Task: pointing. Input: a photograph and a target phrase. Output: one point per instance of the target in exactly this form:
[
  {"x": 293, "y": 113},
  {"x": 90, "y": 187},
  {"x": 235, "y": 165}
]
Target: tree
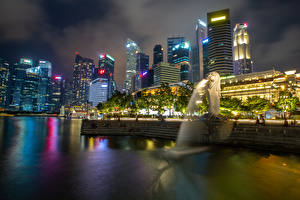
[
  {"x": 184, "y": 94},
  {"x": 255, "y": 104},
  {"x": 286, "y": 102}
]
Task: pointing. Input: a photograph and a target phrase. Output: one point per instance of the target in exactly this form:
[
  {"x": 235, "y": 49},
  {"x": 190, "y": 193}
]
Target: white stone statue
[{"x": 213, "y": 93}]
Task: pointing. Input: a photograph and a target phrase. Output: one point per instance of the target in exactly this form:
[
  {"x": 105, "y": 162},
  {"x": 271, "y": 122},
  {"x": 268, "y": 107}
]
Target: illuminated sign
[
  {"x": 110, "y": 57},
  {"x": 102, "y": 56},
  {"x": 184, "y": 45},
  {"x": 245, "y": 25},
  {"x": 215, "y": 19},
  {"x": 26, "y": 61},
  {"x": 101, "y": 71},
  {"x": 205, "y": 41},
  {"x": 42, "y": 62},
  {"x": 104, "y": 85},
  {"x": 202, "y": 23},
  {"x": 57, "y": 78}
]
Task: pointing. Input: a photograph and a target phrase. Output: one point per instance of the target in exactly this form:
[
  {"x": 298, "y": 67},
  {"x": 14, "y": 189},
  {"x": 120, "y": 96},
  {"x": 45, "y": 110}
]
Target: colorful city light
[
  {"x": 101, "y": 71},
  {"x": 215, "y": 19}
]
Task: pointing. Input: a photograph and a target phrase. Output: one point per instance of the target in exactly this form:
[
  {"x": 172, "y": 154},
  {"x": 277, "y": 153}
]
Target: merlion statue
[{"x": 213, "y": 93}]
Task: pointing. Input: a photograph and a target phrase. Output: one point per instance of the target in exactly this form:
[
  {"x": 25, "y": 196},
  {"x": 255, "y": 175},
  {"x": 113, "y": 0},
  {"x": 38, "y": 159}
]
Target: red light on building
[
  {"x": 245, "y": 25},
  {"x": 150, "y": 67},
  {"x": 76, "y": 53},
  {"x": 110, "y": 74},
  {"x": 57, "y": 77},
  {"x": 101, "y": 71}
]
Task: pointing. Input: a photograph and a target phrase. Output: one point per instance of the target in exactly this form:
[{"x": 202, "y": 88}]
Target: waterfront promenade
[{"x": 271, "y": 136}]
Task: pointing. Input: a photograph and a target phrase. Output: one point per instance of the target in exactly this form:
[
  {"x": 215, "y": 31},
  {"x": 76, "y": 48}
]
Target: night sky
[{"x": 56, "y": 29}]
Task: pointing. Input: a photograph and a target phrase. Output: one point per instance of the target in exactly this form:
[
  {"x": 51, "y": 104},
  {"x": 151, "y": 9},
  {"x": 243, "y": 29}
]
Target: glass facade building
[
  {"x": 172, "y": 42},
  {"x": 82, "y": 76},
  {"x": 241, "y": 50},
  {"x": 181, "y": 58},
  {"x": 220, "y": 42},
  {"x": 142, "y": 67},
  {"x": 106, "y": 70},
  {"x": 4, "y": 81},
  {"x": 131, "y": 50},
  {"x": 158, "y": 54},
  {"x": 98, "y": 91},
  {"x": 166, "y": 73}
]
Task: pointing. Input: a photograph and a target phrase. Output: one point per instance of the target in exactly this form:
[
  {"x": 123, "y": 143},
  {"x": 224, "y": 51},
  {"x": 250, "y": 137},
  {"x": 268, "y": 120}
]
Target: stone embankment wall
[{"x": 273, "y": 137}]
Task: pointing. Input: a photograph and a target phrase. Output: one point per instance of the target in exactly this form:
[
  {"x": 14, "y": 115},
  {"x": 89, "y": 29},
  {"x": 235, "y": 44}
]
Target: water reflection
[{"x": 43, "y": 157}]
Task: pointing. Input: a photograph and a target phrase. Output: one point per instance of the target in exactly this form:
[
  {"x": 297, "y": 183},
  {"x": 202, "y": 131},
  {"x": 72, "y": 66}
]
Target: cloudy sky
[{"x": 56, "y": 29}]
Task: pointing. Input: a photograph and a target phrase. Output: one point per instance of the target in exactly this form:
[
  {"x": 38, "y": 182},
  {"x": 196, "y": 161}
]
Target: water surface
[{"x": 47, "y": 158}]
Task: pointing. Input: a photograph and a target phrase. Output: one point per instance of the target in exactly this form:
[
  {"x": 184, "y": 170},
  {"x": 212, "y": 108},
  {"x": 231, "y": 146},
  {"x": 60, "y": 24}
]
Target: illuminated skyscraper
[
  {"x": 142, "y": 67},
  {"x": 220, "y": 42},
  {"x": 172, "y": 42},
  {"x": 197, "y": 52},
  {"x": 4, "y": 77},
  {"x": 241, "y": 50},
  {"x": 181, "y": 58},
  {"x": 16, "y": 82},
  {"x": 158, "y": 54},
  {"x": 166, "y": 73},
  {"x": 44, "y": 88},
  {"x": 106, "y": 70},
  {"x": 56, "y": 93},
  {"x": 98, "y": 91},
  {"x": 131, "y": 50},
  {"x": 82, "y": 75}
]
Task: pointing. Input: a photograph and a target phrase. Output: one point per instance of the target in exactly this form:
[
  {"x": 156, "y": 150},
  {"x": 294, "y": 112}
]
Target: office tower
[
  {"x": 148, "y": 78},
  {"x": 131, "y": 50},
  {"x": 142, "y": 66},
  {"x": 172, "y": 42},
  {"x": 181, "y": 58},
  {"x": 158, "y": 54},
  {"x": 67, "y": 93},
  {"x": 4, "y": 78},
  {"x": 16, "y": 81},
  {"x": 197, "y": 52},
  {"x": 166, "y": 73},
  {"x": 98, "y": 91},
  {"x": 56, "y": 93},
  {"x": 205, "y": 57},
  {"x": 106, "y": 70},
  {"x": 241, "y": 50},
  {"x": 220, "y": 42},
  {"x": 44, "y": 88},
  {"x": 30, "y": 90},
  {"x": 82, "y": 75}
]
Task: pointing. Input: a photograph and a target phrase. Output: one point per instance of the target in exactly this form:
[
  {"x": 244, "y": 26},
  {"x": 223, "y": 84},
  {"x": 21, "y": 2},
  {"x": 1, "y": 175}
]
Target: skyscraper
[
  {"x": 181, "y": 58},
  {"x": 82, "y": 75},
  {"x": 205, "y": 43},
  {"x": 220, "y": 42},
  {"x": 44, "y": 88},
  {"x": 56, "y": 93},
  {"x": 17, "y": 79},
  {"x": 158, "y": 54},
  {"x": 241, "y": 50},
  {"x": 98, "y": 91},
  {"x": 131, "y": 50},
  {"x": 106, "y": 70},
  {"x": 197, "y": 52},
  {"x": 142, "y": 66},
  {"x": 172, "y": 42},
  {"x": 4, "y": 77}
]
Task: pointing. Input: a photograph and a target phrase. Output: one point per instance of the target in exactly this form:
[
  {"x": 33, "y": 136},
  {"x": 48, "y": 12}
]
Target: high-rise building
[
  {"x": 106, "y": 70},
  {"x": 30, "y": 90},
  {"x": 44, "y": 88},
  {"x": 16, "y": 81},
  {"x": 172, "y": 42},
  {"x": 166, "y": 73},
  {"x": 82, "y": 75},
  {"x": 205, "y": 43},
  {"x": 197, "y": 52},
  {"x": 142, "y": 66},
  {"x": 181, "y": 58},
  {"x": 98, "y": 91},
  {"x": 67, "y": 93},
  {"x": 220, "y": 42},
  {"x": 131, "y": 50},
  {"x": 158, "y": 54},
  {"x": 56, "y": 93},
  {"x": 241, "y": 50},
  {"x": 4, "y": 78}
]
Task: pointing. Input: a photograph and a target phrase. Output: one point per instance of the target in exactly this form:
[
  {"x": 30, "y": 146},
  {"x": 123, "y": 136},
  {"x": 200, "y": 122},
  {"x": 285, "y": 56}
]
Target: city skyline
[{"x": 60, "y": 43}]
